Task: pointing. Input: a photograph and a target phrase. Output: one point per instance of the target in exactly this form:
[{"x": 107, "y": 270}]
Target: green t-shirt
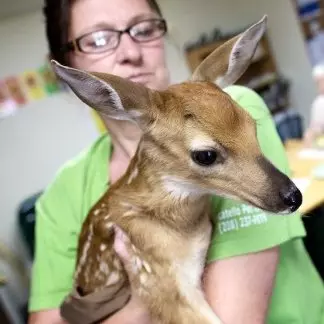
[{"x": 298, "y": 294}]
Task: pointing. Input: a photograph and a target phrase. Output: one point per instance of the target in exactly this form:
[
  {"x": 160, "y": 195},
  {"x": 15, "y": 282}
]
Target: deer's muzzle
[
  {"x": 281, "y": 191},
  {"x": 291, "y": 197}
]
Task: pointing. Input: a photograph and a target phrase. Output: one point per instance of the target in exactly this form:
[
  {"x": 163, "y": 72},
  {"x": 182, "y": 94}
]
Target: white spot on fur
[
  {"x": 106, "y": 217},
  {"x": 85, "y": 251},
  {"x": 147, "y": 267},
  {"x": 104, "y": 267},
  {"x": 103, "y": 247},
  {"x": 130, "y": 213},
  {"x": 96, "y": 212},
  {"x": 133, "y": 175},
  {"x": 132, "y": 210},
  {"x": 180, "y": 188},
  {"x": 109, "y": 225},
  {"x": 143, "y": 278},
  {"x": 113, "y": 278}
]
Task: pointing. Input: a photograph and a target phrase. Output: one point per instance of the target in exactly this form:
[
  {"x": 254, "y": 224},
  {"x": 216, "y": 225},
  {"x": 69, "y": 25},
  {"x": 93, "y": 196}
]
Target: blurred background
[{"x": 42, "y": 125}]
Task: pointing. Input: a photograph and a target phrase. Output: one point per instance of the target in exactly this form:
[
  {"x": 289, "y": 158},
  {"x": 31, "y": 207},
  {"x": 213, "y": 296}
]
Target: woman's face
[{"x": 140, "y": 62}]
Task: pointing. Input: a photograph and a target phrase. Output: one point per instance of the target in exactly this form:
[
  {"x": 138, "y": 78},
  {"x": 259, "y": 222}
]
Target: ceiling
[{"x": 9, "y": 8}]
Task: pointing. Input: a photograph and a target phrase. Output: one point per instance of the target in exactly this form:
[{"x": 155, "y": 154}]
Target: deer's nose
[{"x": 291, "y": 197}]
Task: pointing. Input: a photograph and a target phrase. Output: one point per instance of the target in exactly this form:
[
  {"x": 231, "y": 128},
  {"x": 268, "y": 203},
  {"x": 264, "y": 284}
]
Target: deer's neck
[{"x": 146, "y": 186}]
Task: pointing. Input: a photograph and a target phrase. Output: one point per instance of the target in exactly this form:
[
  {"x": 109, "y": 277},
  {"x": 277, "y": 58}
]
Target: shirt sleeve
[
  {"x": 56, "y": 237},
  {"x": 241, "y": 228}
]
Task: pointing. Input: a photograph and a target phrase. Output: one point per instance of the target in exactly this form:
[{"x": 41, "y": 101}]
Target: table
[{"x": 313, "y": 196}]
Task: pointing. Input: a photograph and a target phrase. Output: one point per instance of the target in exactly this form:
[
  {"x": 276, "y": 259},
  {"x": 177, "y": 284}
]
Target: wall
[{"x": 284, "y": 34}]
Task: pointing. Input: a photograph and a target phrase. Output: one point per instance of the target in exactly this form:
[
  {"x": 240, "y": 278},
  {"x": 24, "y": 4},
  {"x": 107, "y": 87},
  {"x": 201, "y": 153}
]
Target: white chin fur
[
  {"x": 180, "y": 189},
  {"x": 286, "y": 212}
]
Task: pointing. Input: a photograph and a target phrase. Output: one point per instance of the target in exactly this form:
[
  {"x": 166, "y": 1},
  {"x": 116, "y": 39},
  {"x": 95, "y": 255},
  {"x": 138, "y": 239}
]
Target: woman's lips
[{"x": 140, "y": 77}]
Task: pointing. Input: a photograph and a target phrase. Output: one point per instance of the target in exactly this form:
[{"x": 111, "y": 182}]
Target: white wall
[
  {"x": 42, "y": 136},
  {"x": 35, "y": 142}
]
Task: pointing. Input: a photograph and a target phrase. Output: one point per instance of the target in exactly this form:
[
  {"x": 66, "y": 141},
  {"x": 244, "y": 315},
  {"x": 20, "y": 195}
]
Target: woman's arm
[
  {"x": 242, "y": 263},
  {"x": 51, "y": 316},
  {"x": 239, "y": 289}
]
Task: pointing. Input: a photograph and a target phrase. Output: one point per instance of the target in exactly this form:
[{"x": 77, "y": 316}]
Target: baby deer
[{"x": 196, "y": 142}]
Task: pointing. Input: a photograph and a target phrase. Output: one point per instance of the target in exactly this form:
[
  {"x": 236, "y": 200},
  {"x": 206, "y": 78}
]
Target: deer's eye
[{"x": 204, "y": 157}]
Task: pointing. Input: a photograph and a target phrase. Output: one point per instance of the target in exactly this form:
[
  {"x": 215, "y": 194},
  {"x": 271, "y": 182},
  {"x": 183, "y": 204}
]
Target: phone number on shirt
[{"x": 241, "y": 222}]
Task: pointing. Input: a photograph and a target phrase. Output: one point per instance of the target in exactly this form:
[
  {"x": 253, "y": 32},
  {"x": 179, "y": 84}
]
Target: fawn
[{"x": 196, "y": 142}]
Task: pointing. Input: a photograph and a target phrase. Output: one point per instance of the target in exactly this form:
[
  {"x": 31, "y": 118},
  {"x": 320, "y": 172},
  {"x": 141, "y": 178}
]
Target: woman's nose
[{"x": 128, "y": 51}]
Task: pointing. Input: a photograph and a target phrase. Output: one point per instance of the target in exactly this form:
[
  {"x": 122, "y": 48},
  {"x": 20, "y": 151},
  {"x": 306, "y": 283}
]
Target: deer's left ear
[
  {"x": 111, "y": 96},
  {"x": 226, "y": 64}
]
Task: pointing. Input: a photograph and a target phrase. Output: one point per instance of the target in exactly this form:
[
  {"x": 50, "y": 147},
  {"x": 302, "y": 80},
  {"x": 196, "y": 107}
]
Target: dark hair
[{"x": 57, "y": 24}]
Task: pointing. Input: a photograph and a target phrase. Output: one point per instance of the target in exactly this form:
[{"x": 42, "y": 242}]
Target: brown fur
[{"x": 168, "y": 223}]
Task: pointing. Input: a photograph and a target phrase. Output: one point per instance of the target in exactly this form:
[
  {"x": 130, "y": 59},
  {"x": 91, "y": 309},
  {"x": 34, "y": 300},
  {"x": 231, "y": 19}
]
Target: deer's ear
[
  {"x": 226, "y": 64},
  {"x": 111, "y": 96}
]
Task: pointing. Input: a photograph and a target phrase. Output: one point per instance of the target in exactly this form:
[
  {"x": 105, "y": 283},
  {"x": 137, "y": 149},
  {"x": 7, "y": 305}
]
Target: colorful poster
[
  {"x": 33, "y": 85},
  {"x": 16, "y": 90},
  {"x": 4, "y": 94},
  {"x": 50, "y": 81},
  {"x": 7, "y": 105}
]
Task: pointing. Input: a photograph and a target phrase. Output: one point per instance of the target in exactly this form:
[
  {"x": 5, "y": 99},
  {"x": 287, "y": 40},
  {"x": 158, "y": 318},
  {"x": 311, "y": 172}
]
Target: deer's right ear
[
  {"x": 110, "y": 95},
  {"x": 226, "y": 64}
]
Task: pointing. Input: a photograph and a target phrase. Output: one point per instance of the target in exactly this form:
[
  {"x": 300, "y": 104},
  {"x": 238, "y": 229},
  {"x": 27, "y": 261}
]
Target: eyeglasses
[{"x": 108, "y": 39}]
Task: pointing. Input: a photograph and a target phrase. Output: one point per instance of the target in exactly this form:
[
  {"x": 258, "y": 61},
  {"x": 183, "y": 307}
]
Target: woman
[{"x": 256, "y": 272}]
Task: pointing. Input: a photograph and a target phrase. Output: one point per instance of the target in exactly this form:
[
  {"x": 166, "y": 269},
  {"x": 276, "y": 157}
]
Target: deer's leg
[
  {"x": 167, "y": 300},
  {"x": 169, "y": 305},
  {"x": 194, "y": 310}
]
